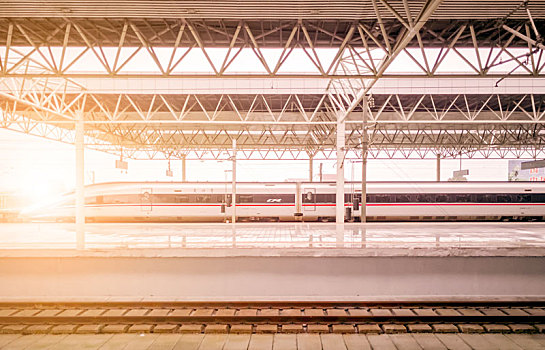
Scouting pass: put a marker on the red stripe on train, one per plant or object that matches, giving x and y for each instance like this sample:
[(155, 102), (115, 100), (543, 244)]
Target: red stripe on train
[(312, 205)]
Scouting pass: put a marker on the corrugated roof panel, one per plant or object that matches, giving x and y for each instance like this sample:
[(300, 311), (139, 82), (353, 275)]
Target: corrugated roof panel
[(264, 9)]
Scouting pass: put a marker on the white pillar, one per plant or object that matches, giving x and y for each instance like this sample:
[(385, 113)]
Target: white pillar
[(80, 190), (321, 171), (183, 169), (234, 183), (310, 169), (339, 200), (438, 168), (364, 144)]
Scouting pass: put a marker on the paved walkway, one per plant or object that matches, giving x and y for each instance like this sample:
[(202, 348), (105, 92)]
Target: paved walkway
[(275, 236), (273, 341)]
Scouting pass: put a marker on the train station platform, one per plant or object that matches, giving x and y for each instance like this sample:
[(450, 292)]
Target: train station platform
[(276, 261)]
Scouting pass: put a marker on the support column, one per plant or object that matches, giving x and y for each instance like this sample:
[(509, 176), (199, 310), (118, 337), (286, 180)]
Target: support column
[(438, 168), (310, 168), (183, 169), (339, 199), (80, 190), (234, 183), (364, 148), (321, 171)]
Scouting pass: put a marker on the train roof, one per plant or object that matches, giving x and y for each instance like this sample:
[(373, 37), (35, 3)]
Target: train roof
[(455, 183), (373, 186)]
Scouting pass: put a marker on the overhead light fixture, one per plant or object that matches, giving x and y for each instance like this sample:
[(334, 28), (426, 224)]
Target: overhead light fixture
[(121, 164), (169, 172)]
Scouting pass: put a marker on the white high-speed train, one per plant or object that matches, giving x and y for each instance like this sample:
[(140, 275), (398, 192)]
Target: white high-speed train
[(295, 201)]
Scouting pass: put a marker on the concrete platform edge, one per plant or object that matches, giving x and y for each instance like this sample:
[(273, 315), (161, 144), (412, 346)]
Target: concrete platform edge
[(264, 278)]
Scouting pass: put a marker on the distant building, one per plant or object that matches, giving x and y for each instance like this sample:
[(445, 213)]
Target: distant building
[(516, 174)]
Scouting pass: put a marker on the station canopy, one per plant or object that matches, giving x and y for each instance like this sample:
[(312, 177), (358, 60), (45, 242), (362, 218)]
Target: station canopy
[(173, 79)]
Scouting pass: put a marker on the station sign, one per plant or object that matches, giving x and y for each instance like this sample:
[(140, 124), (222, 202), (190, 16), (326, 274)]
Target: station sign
[(121, 164), (459, 173), (517, 171), (532, 164)]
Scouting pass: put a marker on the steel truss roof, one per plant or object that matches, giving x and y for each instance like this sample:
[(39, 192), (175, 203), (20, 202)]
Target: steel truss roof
[(360, 46), (175, 125), (501, 39)]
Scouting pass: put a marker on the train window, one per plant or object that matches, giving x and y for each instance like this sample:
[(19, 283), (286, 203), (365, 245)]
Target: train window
[(311, 197), (120, 199), (523, 198), (160, 198), (203, 198), (384, 198), (538, 198), (181, 198), (424, 198), (245, 198), (462, 197), (324, 198), (503, 198), (441, 198), (484, 198), (402, 198)]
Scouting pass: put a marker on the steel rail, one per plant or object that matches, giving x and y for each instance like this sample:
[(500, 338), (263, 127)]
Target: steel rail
[(277, 304), (271, 319)]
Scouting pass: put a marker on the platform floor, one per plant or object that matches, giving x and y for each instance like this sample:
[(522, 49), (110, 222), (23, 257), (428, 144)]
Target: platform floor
[(490, 235), (274, 341)]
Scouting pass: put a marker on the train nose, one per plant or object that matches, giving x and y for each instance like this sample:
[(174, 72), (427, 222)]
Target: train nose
[(27, 212), (32, 212)]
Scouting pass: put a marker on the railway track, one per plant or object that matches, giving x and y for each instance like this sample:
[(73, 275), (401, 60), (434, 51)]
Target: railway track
[(272, 317)]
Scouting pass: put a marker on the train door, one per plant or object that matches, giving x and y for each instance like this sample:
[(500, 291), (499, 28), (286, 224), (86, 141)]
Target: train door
[(309, 199), (225, 208), (524, 199), (145, 200)]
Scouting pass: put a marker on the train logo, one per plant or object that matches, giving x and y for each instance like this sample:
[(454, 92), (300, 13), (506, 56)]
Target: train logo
[(274, 200)]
